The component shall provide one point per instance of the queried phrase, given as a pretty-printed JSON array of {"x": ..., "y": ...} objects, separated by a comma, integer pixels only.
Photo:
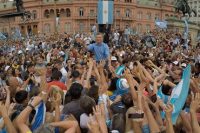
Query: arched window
[
  {"x": 81, "y": 12},
  {"x": 127, "y": 13},
  {"x": 57, "y": 13},
  {"x": 34, "y": 14},
  {"x": 68, "y": 12},
  {"x": 62, "y": 12},
  {"x": 46, "y": 14},
  {"x": 52, "y": 14}
]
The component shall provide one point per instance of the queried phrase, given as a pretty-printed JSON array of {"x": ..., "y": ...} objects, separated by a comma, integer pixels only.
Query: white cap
[
  {"x": 175, "y": 62},
  {"x": 183, "y": 65},
  {"x": 20, "y": 52},
  {"x": 113, "y": 58},
  {"x": 6, "y": 68},
  {"x": 27, "y": 49}
]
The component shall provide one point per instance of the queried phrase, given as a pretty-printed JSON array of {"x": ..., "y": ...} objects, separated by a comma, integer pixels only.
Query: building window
[
  {"x": 166, "y": 16},
  {"x": 127, "y": 13},
  {"x": 148, "y": 16},
  {"x": 34, "y": 14},
  {"x": 148, "y": 27},
  {"x": 81, "y": 13},
  {"x": 68, "y": 12},
  {"x": 47, "y": 28},
  {"x": 92, "y": 13},
  {"x": 139, "y": 28},
  {"x": 128, "y": 1},
  {"x": 140, "y": 15},
  {"x": 156, "y": 16},
  {"x": 118, "y": 13},
  {"x": 81, "y": 27},
  {"x": 67, "y": 27}
]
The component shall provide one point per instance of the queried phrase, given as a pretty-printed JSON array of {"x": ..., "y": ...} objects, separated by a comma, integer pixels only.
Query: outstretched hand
[{"x": 195, "y": 104}]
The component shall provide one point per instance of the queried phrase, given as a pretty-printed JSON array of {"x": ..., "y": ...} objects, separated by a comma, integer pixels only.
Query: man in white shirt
[
  {"x": 61, "y": 68},
  {"x": 116, "y": 38},
  {"x": 127, "y": 33}
]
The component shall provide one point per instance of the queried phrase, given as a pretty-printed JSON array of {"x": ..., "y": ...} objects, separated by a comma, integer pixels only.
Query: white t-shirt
[{"x": 116, "y": 36}]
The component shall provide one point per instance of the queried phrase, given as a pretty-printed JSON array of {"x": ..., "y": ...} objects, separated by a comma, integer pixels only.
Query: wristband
[{"x": 30, "y": 105}]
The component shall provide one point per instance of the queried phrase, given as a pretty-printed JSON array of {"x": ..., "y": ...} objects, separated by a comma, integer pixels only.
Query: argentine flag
[
  {"x": 105, "y": 12},
  {"x": 179, "y": 94},
  {"x": 161, "y": 24}
]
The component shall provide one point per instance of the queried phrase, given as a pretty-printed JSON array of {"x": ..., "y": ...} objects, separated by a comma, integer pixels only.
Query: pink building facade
[{"x": 49, "y": 16}]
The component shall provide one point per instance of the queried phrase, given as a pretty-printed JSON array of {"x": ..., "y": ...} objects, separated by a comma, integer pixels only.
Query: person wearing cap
[
  {"x": 114, "y": 62},
  {"x": 100, "y": 49}
]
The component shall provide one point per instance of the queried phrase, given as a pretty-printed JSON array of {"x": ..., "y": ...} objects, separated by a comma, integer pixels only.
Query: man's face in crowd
[{"x": 99, "y": 39}]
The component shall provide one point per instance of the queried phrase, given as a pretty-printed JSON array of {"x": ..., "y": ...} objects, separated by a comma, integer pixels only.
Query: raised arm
[
  {"x": 132, "y": 83},
  {"x": 24, "y": 115},
  {"x": 168, "y": 111},
  {"x": 89, "y": 73},
  {"x": 194, "y": 106},
  {"x": 7, "y": 122}
]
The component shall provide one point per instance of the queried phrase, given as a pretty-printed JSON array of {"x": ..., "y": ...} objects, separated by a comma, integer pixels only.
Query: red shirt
[{"x": 61, "y": 85}]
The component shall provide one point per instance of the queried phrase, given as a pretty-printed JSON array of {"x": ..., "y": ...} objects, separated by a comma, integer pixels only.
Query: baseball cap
[{"x": 113, "y": 58}]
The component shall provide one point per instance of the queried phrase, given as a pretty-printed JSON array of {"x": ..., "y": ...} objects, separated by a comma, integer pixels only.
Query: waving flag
[
  {"x": 39, "y": 117},
  {"x": 180, "y": 93},
  {"x": 178, "y": 96},
  {"x": 161, "y": 24},
  {"x": 105, "y": 12}
]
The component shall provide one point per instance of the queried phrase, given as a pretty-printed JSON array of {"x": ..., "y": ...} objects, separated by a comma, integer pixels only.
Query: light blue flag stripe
[
  {"x": 100, "y": 11},
  {"x": 105, "y": 12},
  {"x": 110, "y": 12},
  {"x": 180, "y": 93}
]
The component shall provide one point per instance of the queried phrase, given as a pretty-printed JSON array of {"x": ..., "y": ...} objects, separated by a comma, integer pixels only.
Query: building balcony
[
  {"x": 84, "y": 17},
  {"x": 56, "y": 1}
]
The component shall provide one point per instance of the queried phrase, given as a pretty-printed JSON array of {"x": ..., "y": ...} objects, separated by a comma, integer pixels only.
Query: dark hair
[
  {"x": 21, "y": 96},
  {"x": 56, "y": 75},
  {"x": 166, "y": 89},
  {"x": 30, "y": 65},
  {"x": 94, "y": 93},
  {"x": 75, "y": 74},
  {"x": 127, "y": 100},
  {"x": 87, "y": 104},
  {"x": 113, "y": 86},
  {"x": 118, "y": 123},
  {"x": 75, "y": 90}
]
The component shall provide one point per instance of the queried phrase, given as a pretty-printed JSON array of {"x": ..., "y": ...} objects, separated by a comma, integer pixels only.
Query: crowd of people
[{"x": 66, "y": 83}]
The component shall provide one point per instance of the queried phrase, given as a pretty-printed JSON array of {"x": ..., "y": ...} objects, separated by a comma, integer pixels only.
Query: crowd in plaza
[{"x": 64, "y": 83}]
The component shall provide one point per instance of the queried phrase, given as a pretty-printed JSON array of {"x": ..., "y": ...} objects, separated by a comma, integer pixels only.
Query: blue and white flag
[
  {"x": 180, "y": 93},
  {"x": 161, "y": 24},
  {"x": 178, "y": 96},
  {"x": 39, "y": 117},
  {"x": 105, "y": 12}
]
